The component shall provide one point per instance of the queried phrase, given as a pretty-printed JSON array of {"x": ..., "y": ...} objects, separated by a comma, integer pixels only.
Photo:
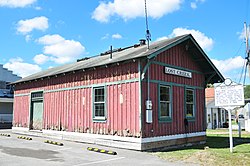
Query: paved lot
[{"x": 21, "y": 152}]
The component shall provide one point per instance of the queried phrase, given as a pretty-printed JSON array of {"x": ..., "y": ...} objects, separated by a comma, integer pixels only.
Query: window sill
[
  {"x": 165, "y": 120},
  {"x": 100, "y": 119},
  {"x": 189, "y": 118}
]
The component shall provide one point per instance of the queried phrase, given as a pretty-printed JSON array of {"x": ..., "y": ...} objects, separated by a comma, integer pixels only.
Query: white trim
[
  {"x": 107, "y": 140},
  {"x": 65, "y": 134},
  {"x": 23, "y": 129},
  {"x": 171, "y": 137},
  {"x": 6, "y": 100},
  {"x": 84, "y": 86},
  {"x": 23, "y": 94}
]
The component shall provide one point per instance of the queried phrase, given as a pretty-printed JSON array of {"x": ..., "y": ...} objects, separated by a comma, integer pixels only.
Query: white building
[
  {"x": 216, "y": 116},
  {"x": 247, "y": 117},
  {"x": 6, "y": 96}
]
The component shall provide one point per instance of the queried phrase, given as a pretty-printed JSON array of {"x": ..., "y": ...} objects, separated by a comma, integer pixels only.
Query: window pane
[
  {"x": 190, "y": 108},
  {"x": 99, "y": 109},
  {"x": 189, "y": 96},
  {"x": 99, "y": 95},
  {"x": 165, "y": 109},
  {"x": 165, "y": 101},
  {"x": 164, "y": 94}
]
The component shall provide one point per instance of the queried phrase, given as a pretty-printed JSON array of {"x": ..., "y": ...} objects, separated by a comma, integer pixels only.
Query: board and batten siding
[
  {"x": 68, "y": 100},
  {"x": 176, "y": 57},
  {"x": 21, "y": 108}
]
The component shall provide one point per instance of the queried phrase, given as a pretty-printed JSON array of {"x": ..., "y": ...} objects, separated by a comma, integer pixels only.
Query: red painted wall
[
  {"x": 177, "y": 56},
  {"x": 71, "y": 110},
  {"x": 21, "y": 111}
]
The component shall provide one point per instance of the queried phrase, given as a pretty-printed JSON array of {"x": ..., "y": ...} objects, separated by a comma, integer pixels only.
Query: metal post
[
  {"x": 239, "y": 128},
  {"x": 230, "y": 131}
]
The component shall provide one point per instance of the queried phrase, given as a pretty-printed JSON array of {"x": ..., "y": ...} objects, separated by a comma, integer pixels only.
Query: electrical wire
[
  {"x": 243, "y": 68},
  {"x": 233, "y": 57}
]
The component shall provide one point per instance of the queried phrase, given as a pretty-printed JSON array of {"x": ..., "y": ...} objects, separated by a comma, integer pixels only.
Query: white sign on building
[
  {"x": 182, "y": 73},
  {"x": 232, "y": 95}
]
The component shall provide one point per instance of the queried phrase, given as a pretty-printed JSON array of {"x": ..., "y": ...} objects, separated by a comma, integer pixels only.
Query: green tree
[{"x": 247, "y": 91}]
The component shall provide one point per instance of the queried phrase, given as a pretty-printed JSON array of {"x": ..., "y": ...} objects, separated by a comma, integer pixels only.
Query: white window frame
[{"x": 99, "y": 118}]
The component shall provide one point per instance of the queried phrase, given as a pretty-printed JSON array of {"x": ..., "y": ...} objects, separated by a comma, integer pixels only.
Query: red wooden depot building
[{"x": 134, "y": 97}]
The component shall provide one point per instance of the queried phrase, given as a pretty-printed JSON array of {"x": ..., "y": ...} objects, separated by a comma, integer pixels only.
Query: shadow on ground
[{"x": 31, "y": 153}]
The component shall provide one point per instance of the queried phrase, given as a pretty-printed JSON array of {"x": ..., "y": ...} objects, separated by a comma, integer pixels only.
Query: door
[
  {"x": 37, "y": 115},
  {"x": 36, "y": 111}
]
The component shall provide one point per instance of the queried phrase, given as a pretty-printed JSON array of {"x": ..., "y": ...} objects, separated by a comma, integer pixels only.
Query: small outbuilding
[{"x": 135, "y": 97}]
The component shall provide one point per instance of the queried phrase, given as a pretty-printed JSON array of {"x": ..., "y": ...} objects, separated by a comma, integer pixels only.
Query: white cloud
[
  {"x": 162, "y": 38},
  {"x": 21, "y": 68},
  {"x": 130, "y": 9},
  {"x": 60, "y": 49},
  {"x": 51, "y": 39},
  {"x": 106, "y": 36},
  {"x": 242, "y": 34},
  {"x": 38, "y": 23},
  {"x": 194, "y": 4},
  {"x": 28, "y": 38},
  {"x": 16, "y": 3},
  {"x": 204, "y": 41},
  {"x": 228, "y": 65},
  {"x": 116, "y": 36},
  {"x": 38, "y": 8},
  {"x": 40, "y": 59}
]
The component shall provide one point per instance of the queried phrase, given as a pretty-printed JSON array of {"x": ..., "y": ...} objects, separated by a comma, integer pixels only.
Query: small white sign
[
  {"x": 182, "y": 73},
  {"x": 232, "y": 95}
]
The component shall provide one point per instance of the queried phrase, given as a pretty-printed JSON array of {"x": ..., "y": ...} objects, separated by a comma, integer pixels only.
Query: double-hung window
[
  {"x": 99, "y": 103},
  {"x": 190, "y": 103},
  {"x": 165, "y": 103}
]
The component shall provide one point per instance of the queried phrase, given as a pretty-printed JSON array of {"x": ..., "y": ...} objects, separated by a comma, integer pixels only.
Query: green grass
[
  {"x": 234, "y": 122},
  {"x": 218, "y": 152}
]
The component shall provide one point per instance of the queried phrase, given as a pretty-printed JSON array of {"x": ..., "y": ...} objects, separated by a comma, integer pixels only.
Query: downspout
[
  {"x": 148, "y": 82},
  {"x": 146, "y": 69},
  {"x": 140, "y": 98},
  {"x": 148, "y": 101}
]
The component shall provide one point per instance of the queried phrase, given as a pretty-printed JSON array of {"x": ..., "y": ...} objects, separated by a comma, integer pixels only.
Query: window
[
  {"x": 99, "y": 103},
  {"x": 189, "y": 103},
  {"x": 208, "y": 118},
  {"x": 165, "y": 103},
  {"x": 37, "y": 96}
]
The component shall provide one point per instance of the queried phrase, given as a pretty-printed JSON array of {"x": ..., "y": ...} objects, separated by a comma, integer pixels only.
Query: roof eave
[{"x": 184, "y": 38}]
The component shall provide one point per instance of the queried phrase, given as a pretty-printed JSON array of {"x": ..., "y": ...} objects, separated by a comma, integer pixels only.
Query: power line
[{"x": 243, "y": 68}]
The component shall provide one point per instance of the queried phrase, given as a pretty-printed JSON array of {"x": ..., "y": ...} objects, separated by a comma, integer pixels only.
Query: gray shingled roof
[{"x": 118, "y": 56}]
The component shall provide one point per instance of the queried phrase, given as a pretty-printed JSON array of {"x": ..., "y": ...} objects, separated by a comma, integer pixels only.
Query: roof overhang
[{"x": 6, "y": 100}]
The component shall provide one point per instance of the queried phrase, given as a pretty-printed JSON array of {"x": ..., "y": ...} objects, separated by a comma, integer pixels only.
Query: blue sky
[{"x": 39, "y": 34}]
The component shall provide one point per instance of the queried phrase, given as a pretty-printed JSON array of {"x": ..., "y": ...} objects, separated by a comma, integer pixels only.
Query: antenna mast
[{"x": 148, "y": 35}]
